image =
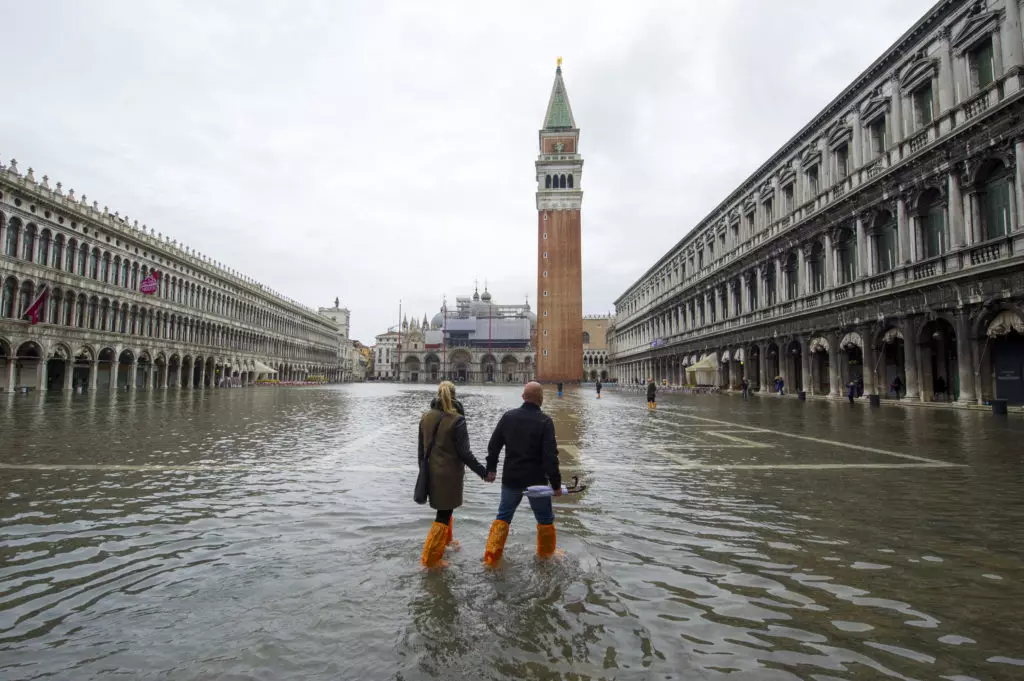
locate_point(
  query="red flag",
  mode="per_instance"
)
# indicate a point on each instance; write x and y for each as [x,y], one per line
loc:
[36,310]
[149,284]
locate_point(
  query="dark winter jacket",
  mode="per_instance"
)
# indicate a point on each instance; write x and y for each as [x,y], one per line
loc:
[531,453]
[651,390]
[448,458]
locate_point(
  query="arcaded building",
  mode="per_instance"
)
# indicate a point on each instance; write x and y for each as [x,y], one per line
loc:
[125,307]
[559,266]
[880,247]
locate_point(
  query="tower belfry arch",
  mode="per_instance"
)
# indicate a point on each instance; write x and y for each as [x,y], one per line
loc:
[559,265]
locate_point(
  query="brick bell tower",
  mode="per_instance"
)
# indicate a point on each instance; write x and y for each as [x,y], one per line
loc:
[559,267]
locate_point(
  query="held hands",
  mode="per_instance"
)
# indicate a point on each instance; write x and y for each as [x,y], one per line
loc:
[490,477]
[556,491]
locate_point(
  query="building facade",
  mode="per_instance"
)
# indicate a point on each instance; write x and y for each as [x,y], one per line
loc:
[559,265]
[881,246]
[341,317]
[202,325]
[477,341]
[595,347]
[385,355]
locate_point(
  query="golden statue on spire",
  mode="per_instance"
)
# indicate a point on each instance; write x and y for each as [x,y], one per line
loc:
[559,62]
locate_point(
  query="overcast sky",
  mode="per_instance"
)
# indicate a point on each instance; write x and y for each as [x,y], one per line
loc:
[384,151]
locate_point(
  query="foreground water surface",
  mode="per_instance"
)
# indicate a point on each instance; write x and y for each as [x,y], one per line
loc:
[270,534]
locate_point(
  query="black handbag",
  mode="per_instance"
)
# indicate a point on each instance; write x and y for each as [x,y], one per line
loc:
[423,479]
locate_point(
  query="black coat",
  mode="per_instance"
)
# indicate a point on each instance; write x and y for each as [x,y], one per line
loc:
[651,390]
[531,453]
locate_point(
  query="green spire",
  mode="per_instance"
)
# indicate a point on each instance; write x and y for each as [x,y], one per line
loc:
[559,115]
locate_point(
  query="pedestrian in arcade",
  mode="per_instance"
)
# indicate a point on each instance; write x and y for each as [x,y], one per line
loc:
[652,390]
[531,458]
[444,442]
[599,388]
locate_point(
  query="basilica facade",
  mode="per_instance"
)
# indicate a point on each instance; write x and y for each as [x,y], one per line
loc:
[89,300]
[880,250]
[478,340]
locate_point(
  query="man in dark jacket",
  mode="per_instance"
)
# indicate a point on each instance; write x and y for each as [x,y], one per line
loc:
[652,390]
[531,458]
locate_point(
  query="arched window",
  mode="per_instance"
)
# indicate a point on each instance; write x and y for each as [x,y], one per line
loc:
[586,338]
[11,245]
[817,263]
[561,181]
[69,308]
[769,284]
[71,255]
[125,267]
[135,276]
[846,248]
[80,311]
[94,264]
[884,238]
[9,295]
[547,182]
[53,314]
[751,292]
[570,181]
[792,273]
[58,252]
[43,253]
[94,308]
[83,257]
[106,268]
[994,195]
[931,220]
[28,243]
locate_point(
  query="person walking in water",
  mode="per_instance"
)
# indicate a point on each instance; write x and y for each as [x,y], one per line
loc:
[531,458]
[444,440]
[599,388]
[652,390]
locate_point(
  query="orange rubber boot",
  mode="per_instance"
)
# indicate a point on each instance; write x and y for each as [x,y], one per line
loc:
[545,540]
[451,542]
[496,543]
[433,548]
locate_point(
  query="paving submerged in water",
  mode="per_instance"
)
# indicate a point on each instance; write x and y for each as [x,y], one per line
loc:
[270,534]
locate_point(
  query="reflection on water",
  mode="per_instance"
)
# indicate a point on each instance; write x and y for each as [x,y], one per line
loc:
[270,533]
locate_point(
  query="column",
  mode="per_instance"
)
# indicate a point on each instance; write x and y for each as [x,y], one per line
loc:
[784,356]
[150,374]
[835,378]
[803,287]
[94,367]
[955,211]
[115,366]
[202,375]
[972,216]
[766,380]
[965,359]
[857,153]
[133,372]
[870,360]
[69,374]
[910,359]
[780,289]
[947,94]
[10,375]
[830,262]
[744,295]
[903,228]
[164,375]
[897,110]
[863,266]
[41,370]
[1013,48]
[1018,185]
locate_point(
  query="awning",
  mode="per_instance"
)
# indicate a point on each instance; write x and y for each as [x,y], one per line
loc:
[891,336]
[819,344]
[707,364]
[737,355]
[262,368]
[725,356]
[1005,322]
[852,339]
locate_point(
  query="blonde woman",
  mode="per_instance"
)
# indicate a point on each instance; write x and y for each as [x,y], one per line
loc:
[444,439]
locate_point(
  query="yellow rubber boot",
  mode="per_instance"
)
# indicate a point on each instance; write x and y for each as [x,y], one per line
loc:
[496,543]
[545,540]
[433,549]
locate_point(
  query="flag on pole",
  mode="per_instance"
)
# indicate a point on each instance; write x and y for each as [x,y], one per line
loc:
[36,310]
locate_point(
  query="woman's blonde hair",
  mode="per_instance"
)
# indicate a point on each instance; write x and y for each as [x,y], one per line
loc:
[446,396]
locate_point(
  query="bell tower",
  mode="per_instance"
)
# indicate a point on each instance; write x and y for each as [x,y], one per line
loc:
[559,268]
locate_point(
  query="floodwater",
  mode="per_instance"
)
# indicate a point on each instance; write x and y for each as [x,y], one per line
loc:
[270,534]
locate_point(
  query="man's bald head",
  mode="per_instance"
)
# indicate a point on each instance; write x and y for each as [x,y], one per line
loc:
[533,392]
